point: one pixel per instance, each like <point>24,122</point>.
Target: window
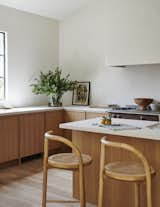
<point>2,65</point>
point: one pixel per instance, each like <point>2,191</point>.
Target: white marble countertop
<point>29,109</point>
<point>139,128</point>
<point>32,109</point>
<point>85,109</point>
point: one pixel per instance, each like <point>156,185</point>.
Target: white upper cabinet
<point>132,32</point>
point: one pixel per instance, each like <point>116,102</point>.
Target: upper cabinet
<point>132,32</point>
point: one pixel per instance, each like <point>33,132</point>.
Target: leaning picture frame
<point>81,94</point>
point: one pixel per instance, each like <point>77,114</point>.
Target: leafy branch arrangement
<point>53,85</point>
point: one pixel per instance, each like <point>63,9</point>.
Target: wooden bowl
<point>143,102</point>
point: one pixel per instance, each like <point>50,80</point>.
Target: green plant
<point>53,85</point>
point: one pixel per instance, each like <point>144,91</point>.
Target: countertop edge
<point>136,133</point>
<point>25,110</point>
<point>36,109</point>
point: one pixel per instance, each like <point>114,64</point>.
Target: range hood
<point>132,33</point>
<point>116,62</point>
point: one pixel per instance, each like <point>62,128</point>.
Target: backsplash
<point>121,85</point>
<point>83,54</point>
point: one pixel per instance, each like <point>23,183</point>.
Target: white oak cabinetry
<point>52,121</point>
<point>9,138</point>
<point>70,116</point>
<point>23,135</point>
<point>91,115</point>
<point>31,134</point>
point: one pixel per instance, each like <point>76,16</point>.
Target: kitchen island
<point>144,135</point>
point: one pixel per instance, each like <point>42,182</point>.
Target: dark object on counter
<point>133,116</point>
<point>143,102</point>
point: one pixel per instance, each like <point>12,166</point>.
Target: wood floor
<point>21,186</point>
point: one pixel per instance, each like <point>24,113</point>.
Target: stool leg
<point>137,195</point>
<point>101,176</point>
<point>82,187</point>
<point>149,191</point>
<point>100,196</point>
<point>45,171</point>
<point>44,186</point>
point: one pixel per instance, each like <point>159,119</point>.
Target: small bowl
<point>143,102</point>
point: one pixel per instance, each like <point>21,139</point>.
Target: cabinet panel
<point>91,115</point>
<point>72,116</point>
<point>31,134</point>
<point>9,138</point>
<point>52,121</point>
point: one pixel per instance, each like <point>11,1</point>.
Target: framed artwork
<point>81,94</point>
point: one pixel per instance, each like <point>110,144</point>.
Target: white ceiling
<point>57,9</point>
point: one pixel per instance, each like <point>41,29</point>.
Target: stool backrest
<point>106,143</point>
<point>49,136</point>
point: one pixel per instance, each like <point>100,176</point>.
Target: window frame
<point>4,77</point>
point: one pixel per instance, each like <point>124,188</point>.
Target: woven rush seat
<point>126,170</point>
<point>68,160</point>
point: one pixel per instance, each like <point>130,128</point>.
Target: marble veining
<point>141,129</point>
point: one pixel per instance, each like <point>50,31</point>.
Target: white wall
<point>32,46</point>
<point>83,49</point>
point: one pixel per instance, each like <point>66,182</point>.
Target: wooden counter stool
<point>125,171</point>
<point>68,161</point>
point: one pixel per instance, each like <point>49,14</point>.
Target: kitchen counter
<point>139,128</point>
<point>143,135</point>
<point>85,109</point>
<point>32,109</point>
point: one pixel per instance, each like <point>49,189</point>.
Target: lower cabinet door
<point>52,121</point>
<point>9,138</point>
<point>31,134</point>
<point>91,115</point>
<point>72,116</point>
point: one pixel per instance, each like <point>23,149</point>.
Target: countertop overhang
<point>145,129</point>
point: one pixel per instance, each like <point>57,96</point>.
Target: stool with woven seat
<point>130,171</point>
<point>68,161</point>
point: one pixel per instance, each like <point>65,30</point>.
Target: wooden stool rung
<point>62,201</point>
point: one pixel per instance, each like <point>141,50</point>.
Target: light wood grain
<point>91,115</point>
<point>114,191</point>
<point>22,135</point>
<point>52,121</point>
<point>31,134</point>
<point>70,116</point>
<point>9,138</point>
<point>74,116</point>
